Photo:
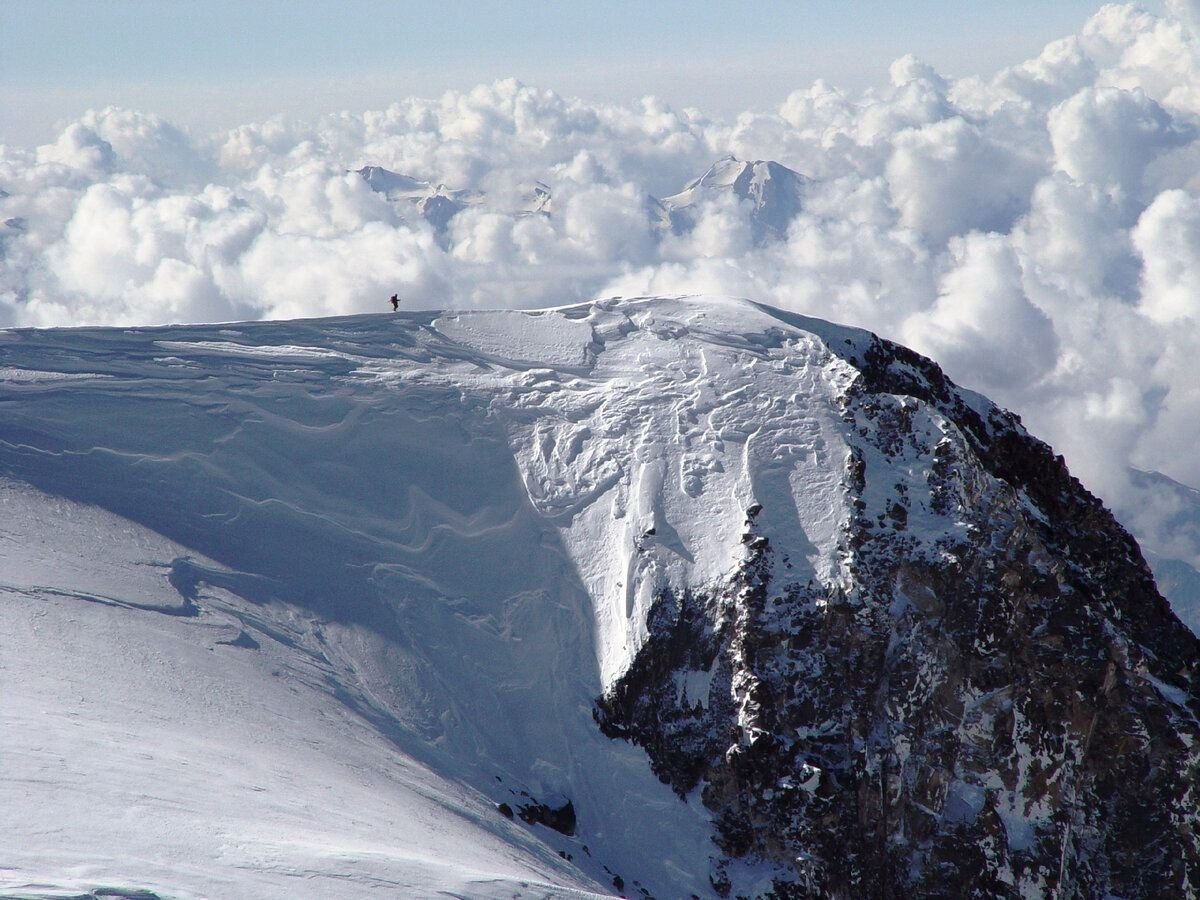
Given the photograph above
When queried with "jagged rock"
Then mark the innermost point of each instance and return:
(560, 818)
(995, 702)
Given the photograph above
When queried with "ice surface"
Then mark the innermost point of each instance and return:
(32, 376)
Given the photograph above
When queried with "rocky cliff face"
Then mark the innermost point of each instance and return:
(990, 699)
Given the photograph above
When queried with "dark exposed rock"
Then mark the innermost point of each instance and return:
(997, 702)
(244, 640)
(560, 818)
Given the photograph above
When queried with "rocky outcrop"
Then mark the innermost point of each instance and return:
(993, 701)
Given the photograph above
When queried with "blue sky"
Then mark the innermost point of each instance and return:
(217, 63)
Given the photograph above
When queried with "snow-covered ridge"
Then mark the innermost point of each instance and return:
(663, 579)
(642, 430)
(453, 514)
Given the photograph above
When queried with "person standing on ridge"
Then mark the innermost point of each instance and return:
(395, 302)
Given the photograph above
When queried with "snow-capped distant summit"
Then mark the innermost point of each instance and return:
(438, 204)
(393, 185)
(537, 200)
(775, 192)
(667, 596)
(1175, 566)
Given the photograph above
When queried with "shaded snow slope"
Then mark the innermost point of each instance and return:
(385, 481)
(383, 567)
(160, 738)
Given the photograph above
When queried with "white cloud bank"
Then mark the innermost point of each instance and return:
(1038, 233)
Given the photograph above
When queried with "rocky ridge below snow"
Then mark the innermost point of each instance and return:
(991, 699)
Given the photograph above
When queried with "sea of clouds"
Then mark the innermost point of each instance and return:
(1036, 232)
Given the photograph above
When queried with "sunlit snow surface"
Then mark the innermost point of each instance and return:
(287, 609)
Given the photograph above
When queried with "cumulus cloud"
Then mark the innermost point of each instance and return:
(934, 172)
(1167, 237)
(982, 326)
(1109, 136)
(1037, 231)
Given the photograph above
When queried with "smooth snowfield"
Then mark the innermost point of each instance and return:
(288, 609)
(147, 748)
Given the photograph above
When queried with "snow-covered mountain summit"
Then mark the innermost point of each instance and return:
(773, 195)
(666, 595)
(774, 192)
(438, 204)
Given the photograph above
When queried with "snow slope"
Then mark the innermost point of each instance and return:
(153, 740)
(374, 500)
(305, 608)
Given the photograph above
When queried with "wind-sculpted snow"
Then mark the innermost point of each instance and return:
(366, 516)
(684, 415)
(667, 595)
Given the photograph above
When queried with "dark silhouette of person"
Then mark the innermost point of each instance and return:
(395, 302)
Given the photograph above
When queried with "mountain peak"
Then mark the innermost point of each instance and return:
(831, 625)
(775, 193)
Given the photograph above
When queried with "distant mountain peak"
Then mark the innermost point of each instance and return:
(438, 204)
(775, 192)
(392, 184)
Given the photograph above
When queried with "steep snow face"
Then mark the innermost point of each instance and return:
(680, 416)
(701, 593)
(462, 519)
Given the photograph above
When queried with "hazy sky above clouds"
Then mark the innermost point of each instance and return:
(1008, 188)
(208, 64)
